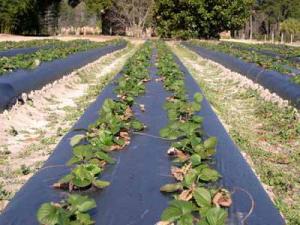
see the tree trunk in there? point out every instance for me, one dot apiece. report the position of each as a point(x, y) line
point(292, 38)
point(282, 38)
point(265, 38)
point(251, 27)
point(272, 36)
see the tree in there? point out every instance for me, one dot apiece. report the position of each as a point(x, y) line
point(97, 6)
point(11, 14)
point(131, 14)
point(277, 11)
point(290, 26)
point(200, 18)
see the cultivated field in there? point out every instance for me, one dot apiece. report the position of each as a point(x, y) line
point(108, 130)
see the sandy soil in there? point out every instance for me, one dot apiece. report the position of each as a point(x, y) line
point(99, 38)
point(295, 44)
point(29, 132)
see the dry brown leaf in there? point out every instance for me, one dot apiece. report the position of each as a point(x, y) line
point(64, 186)
point(186, 195)
point(146, 80)
point(222, 198)
point(127, 114)
point(124, 135)
point(181, 155)
point(115, 148)
point(186, 168)
point(177, 173)
point(57, 185)
point(159, 79)
point(170, 98)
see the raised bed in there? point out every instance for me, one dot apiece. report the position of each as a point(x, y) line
point(25, 81)
point(142, 168)
point(9, 49)
point(267, 52)
point(276, 51)
point(17, 51)
point(274, 81)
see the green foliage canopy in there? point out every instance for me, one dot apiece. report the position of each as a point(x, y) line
point(290, 26)
point(199, 18)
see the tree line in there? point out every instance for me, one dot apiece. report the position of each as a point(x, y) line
point(272, 19)
point(167, 18)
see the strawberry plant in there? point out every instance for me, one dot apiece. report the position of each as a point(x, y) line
point(279, 64)
point(6, 45)
point(81, 177)
point(73, 210)
point(57, 51)
point(197, 198)
point(296, 79)
point(111, 131)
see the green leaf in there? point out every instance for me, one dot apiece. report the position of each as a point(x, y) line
point(208, 174)
point(52, 215)
point(75, 140)
point(202, 197)
point(93, 169)
point(172, 115)
point(73, 161)
point(165, 132)
point(66, 179)
point(198, 97)
point(171, 187)
point(83, 151)
point(210, 143)
point(83, 219)
point(101, 184)
point(177, 209)
point(137, 125)
point(171, 214)
point(81, 203)
point(195, 159)
point(197, 119)
point(186, 219)
point(195, 106)
point(82, 177)
point(190, 178)
point(105, 157)
point(216, 216)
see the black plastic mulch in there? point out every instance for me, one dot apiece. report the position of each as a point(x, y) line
point(274, 81)
point(13, 84)
point(133, 198)
point(269, 53)
point(236, 174)
point(19, 51)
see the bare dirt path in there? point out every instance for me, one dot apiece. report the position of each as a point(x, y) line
point(30, 132)
point(99, 38)
point(264, 127)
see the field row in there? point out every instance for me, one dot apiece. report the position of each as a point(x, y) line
point(281, 59)
point(57, 62)
point(55, 50)
point(142, 137)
